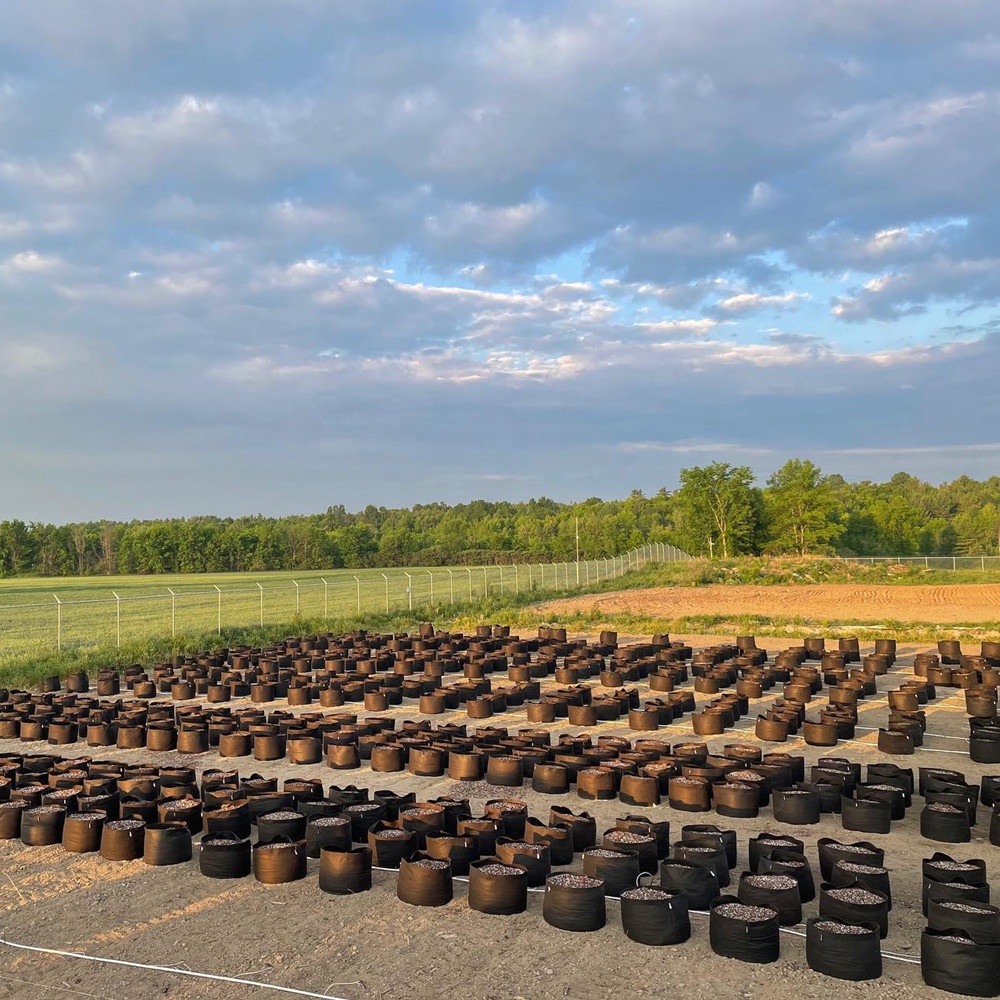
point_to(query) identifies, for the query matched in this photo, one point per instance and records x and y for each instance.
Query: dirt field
(373, 947)
(963, 603)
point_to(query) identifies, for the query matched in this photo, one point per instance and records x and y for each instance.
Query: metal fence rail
(951, 563)
(66, 622)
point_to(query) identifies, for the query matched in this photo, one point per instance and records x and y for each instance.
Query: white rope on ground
(171, 970)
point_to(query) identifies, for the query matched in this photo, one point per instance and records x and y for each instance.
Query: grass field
(42, 615)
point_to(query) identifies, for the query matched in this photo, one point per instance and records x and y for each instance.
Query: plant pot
(655, 916)
(574, 903)
(699, 885)
(778, 892)
(952, 961)
(842, 950)
(345, 871)
(855, 904)
(424, 881)
(748, 934)
(497, 888)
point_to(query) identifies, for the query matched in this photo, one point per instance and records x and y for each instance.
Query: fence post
(954, 564)
(982, 559)
(517, 580)
(451, 584)
(173, 613)
(58, 623)
(587, 574)
(358, 582)
(430, 573)
(219, 592)
(468, 569)
(409, 588)
(261, 589)
(486, 582)
(118, 618)
(384, 577)
(295, 584)
(326, 598)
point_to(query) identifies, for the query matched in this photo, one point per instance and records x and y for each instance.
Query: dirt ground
(962, 603)
(373, 947)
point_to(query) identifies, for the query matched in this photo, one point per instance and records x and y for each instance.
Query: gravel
(953, 866)
(626, 837)
(698, 782)
(14, 804)
(836, 927)
(275, 847)
(955, 938)
(853, 848)
(420, 813)
(567, 881)
(750, 914)
(364, 807)
(281, 815)
(331, 821)
(601, 852)
(431, 863)
(780, 882)
(849, 866)
(124, 824)
(943, 807)
(86, 817)
(509, 805)
(965, 907)
(741, 774)
(393, 834)
(499, 869)
(645, 892)
(860, 897)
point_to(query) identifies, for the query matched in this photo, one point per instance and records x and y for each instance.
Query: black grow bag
(224, 855)
(843, 950)
(345, 871)
(776, 892)
(795, 806)
(746, 933)
(424, 881)
(873, 877)
(854, 904)
(617, 869)
(981, 921)
(944, 823)
(831, 851)
(765, 843)
(865, 815)
(699, 885)
(794, 863)
(952, 961)
(655, 916)
(574, 903)
(497, 888)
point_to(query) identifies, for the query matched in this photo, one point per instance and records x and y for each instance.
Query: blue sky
(270, 257)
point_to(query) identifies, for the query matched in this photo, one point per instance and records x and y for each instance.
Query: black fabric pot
(655, 916)
(277, 862)
(618, 869)
(122, 839)
(699, 885)
(873, 877)
(424, 881)
(497, 888)
(959, 966)
(459, 851)
(166, 844)
(345, 871)
(574, 903)
(705, 856)
(582, 825)
(328, 831)
(362, 816)
(736, 799)
(945, 823)
(228, 818)
(550, 779)
(989, 790)
(505, 771)
(865, 815)
(777, 892)
(224, 855)
(596, 783)
(732, 936)
(797, 807)
(389, 846)
(284, 824)
(765, 843)
(955, 891)
(709, 835)
(535, 859)
(82, 832)
(981, 921)
(559, 839)
(854, 907)
(839, 950)
(637, 790)
(794, 863)
(831, 851)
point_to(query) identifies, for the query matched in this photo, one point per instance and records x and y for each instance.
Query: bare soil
(961, 603)
(374, 947)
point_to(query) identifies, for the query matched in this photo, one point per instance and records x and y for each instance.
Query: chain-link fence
(95, 615)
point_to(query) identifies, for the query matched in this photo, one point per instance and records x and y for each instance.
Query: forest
(718, 510)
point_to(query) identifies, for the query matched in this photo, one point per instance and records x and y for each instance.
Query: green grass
(32, 622)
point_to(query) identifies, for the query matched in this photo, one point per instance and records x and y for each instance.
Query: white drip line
(172, 970)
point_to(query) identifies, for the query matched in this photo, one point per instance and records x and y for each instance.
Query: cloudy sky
(262, 256)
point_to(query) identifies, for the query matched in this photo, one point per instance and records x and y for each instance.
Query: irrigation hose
(169, 969)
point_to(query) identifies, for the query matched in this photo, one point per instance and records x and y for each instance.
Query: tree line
(719, 510)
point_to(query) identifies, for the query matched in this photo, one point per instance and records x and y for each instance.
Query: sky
(274, 256)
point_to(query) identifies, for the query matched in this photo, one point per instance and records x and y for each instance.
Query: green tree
(718, 509)
(802, 509)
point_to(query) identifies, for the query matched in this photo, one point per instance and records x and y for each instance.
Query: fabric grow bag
(345, 871)
(746, 933)
(574, 902)
(843, 950)
(655, 916)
